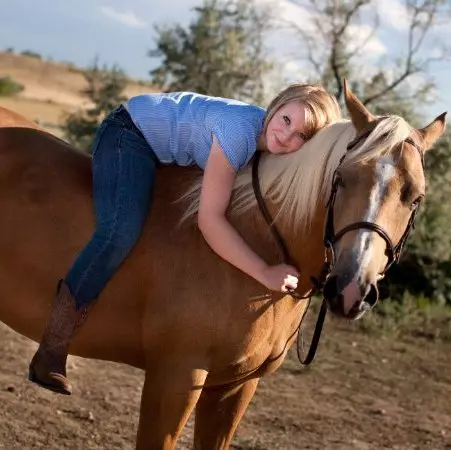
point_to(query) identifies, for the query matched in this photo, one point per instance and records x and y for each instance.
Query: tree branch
(418, 30)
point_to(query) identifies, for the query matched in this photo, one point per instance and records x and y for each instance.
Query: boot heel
(50, 387)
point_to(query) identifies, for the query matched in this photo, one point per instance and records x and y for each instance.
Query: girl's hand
(280, 278)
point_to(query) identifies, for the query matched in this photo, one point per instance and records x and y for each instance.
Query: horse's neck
(255, 231)
(305, 247)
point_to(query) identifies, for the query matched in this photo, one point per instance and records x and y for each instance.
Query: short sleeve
(237, 137)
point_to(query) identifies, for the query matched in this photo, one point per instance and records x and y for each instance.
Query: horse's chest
(260, 352)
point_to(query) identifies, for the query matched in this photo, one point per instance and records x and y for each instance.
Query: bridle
(393, 252)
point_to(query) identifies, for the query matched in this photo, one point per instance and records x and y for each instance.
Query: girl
(220, 136)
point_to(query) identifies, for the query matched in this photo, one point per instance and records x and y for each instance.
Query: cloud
(393, 14)
(295, 70)
(127, 18)
(370, 48)
(295, 14)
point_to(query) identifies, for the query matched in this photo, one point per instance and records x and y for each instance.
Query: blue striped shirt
(179, 126)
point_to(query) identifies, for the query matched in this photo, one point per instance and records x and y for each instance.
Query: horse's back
(10, 118)
(47, 217)
(42, 169)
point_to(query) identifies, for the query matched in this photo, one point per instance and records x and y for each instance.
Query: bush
(105, 91)
(410, 315)
(9, 87)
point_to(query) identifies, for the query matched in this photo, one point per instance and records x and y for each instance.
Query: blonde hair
(321, 107)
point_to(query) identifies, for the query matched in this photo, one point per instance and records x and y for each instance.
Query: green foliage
(408, 315)
(9, 87)
(105, 87)
(221, 52)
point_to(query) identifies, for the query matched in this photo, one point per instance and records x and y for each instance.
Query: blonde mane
(298, 182)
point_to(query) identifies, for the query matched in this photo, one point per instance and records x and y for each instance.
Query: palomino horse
(203, 331)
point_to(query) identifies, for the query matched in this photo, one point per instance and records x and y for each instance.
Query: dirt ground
(364, 391)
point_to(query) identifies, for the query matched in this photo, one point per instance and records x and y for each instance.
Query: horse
(204, 332)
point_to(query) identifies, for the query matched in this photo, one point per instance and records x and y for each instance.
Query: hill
(51, 89)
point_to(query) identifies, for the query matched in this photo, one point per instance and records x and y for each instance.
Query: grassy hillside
(51, 89)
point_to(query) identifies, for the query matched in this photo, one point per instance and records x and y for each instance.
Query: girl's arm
(217, 185)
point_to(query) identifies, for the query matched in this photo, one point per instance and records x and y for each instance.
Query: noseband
(393, 252)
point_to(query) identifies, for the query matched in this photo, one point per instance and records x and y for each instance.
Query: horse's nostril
(330, 289)
(371, 295)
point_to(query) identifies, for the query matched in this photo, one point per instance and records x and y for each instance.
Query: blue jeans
(123, 166)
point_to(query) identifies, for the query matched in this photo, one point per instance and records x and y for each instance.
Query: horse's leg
(218, 413)
(168, 398)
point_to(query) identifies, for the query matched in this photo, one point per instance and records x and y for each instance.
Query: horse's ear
(360, 116)
(430, 133)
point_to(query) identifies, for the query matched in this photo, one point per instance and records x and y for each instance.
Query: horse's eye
(415, 204)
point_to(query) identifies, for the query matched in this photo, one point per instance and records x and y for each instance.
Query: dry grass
(51, 89)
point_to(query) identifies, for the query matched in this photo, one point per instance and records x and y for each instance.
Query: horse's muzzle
(348, 297)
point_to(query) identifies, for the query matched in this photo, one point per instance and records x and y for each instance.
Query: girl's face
(285, 132)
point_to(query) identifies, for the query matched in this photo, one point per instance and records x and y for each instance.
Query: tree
(104, 90)
(332, 50)
(221, 53)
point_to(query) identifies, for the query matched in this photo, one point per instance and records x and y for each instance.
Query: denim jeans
(123, 165)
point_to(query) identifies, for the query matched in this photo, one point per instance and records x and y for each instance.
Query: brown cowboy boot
(48, 366)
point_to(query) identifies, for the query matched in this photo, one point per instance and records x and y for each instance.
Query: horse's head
(377, 189)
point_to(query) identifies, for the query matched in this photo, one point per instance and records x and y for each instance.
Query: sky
(122, 32)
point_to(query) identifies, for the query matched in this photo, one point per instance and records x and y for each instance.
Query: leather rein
(393, 252)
